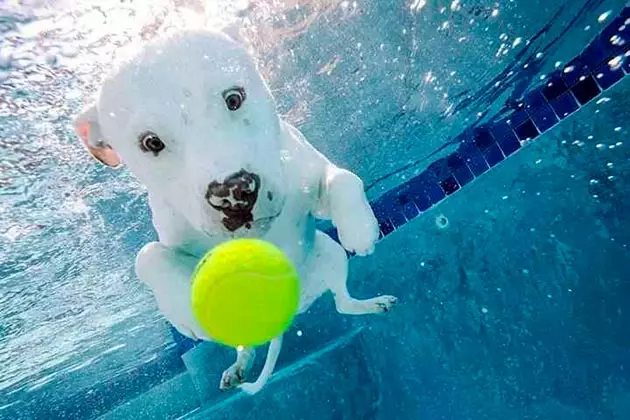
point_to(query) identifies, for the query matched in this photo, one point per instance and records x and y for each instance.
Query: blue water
(514, 291)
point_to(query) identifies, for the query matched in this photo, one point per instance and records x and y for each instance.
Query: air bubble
(602, 18)
(617, 40)
(615, 63)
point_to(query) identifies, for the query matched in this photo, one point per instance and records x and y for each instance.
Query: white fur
(173, 88)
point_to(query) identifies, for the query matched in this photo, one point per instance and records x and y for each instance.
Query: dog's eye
(234, 98)
(150, 142)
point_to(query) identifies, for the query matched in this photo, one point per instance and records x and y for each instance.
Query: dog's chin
(256, 228)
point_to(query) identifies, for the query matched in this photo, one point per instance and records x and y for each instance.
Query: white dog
(193, 120)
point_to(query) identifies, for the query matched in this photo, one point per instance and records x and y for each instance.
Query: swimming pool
(513, 291)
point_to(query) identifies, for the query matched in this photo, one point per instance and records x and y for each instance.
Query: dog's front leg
(168, 273)
(350, 210)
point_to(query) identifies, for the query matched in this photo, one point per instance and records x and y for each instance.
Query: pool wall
(352, 372)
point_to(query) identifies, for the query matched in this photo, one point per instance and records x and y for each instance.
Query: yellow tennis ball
(245, 292)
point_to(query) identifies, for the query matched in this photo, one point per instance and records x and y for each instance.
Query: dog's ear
(88, 129)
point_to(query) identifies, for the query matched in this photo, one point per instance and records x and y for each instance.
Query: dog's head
(193, 120)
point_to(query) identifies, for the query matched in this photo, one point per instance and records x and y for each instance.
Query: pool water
(514, 292)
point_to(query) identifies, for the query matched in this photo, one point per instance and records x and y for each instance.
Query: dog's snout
(235, 197)
(238, 192)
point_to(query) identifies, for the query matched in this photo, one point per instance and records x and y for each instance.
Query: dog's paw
(233, 377)
(381, 304)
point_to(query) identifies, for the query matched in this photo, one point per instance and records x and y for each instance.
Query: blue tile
(616, 30)
(517, 118)
(417, 194)
(404, 202)
(383, 207)
(385, 227)
(526, 131)
(454, 161)
(449, 185)
(544, 118)
(463, 175)
(483, 138)
(397, 218)
(574, 71)
(459, 169)
(506, 138)
(626, 65)
(534, 98)
(585, 90)
(440, 169)
(387, 210)
(539, 110)
(625, 13)
(493, 155)
(607, 76)
(594, 54)
(431, 187)
(565, 105)
(435, 193)
(409, 210)
(474, 159)
(555, 86)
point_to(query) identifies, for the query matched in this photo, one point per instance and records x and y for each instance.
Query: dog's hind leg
(270, 364)
(332, 266)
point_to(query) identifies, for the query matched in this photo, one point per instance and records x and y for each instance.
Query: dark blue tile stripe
(480, 149)
(603, 63)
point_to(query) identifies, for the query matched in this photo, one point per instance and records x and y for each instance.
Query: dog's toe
(231, 378)
(385, 303)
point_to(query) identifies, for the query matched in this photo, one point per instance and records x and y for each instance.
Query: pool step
(333, 383)
(169, 400)
(310, 332)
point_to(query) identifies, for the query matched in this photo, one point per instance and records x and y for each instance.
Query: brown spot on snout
(235, 198)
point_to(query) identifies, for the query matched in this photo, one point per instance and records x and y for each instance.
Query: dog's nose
(238, 192)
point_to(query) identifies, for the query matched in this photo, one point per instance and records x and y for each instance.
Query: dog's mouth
(244, 220)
